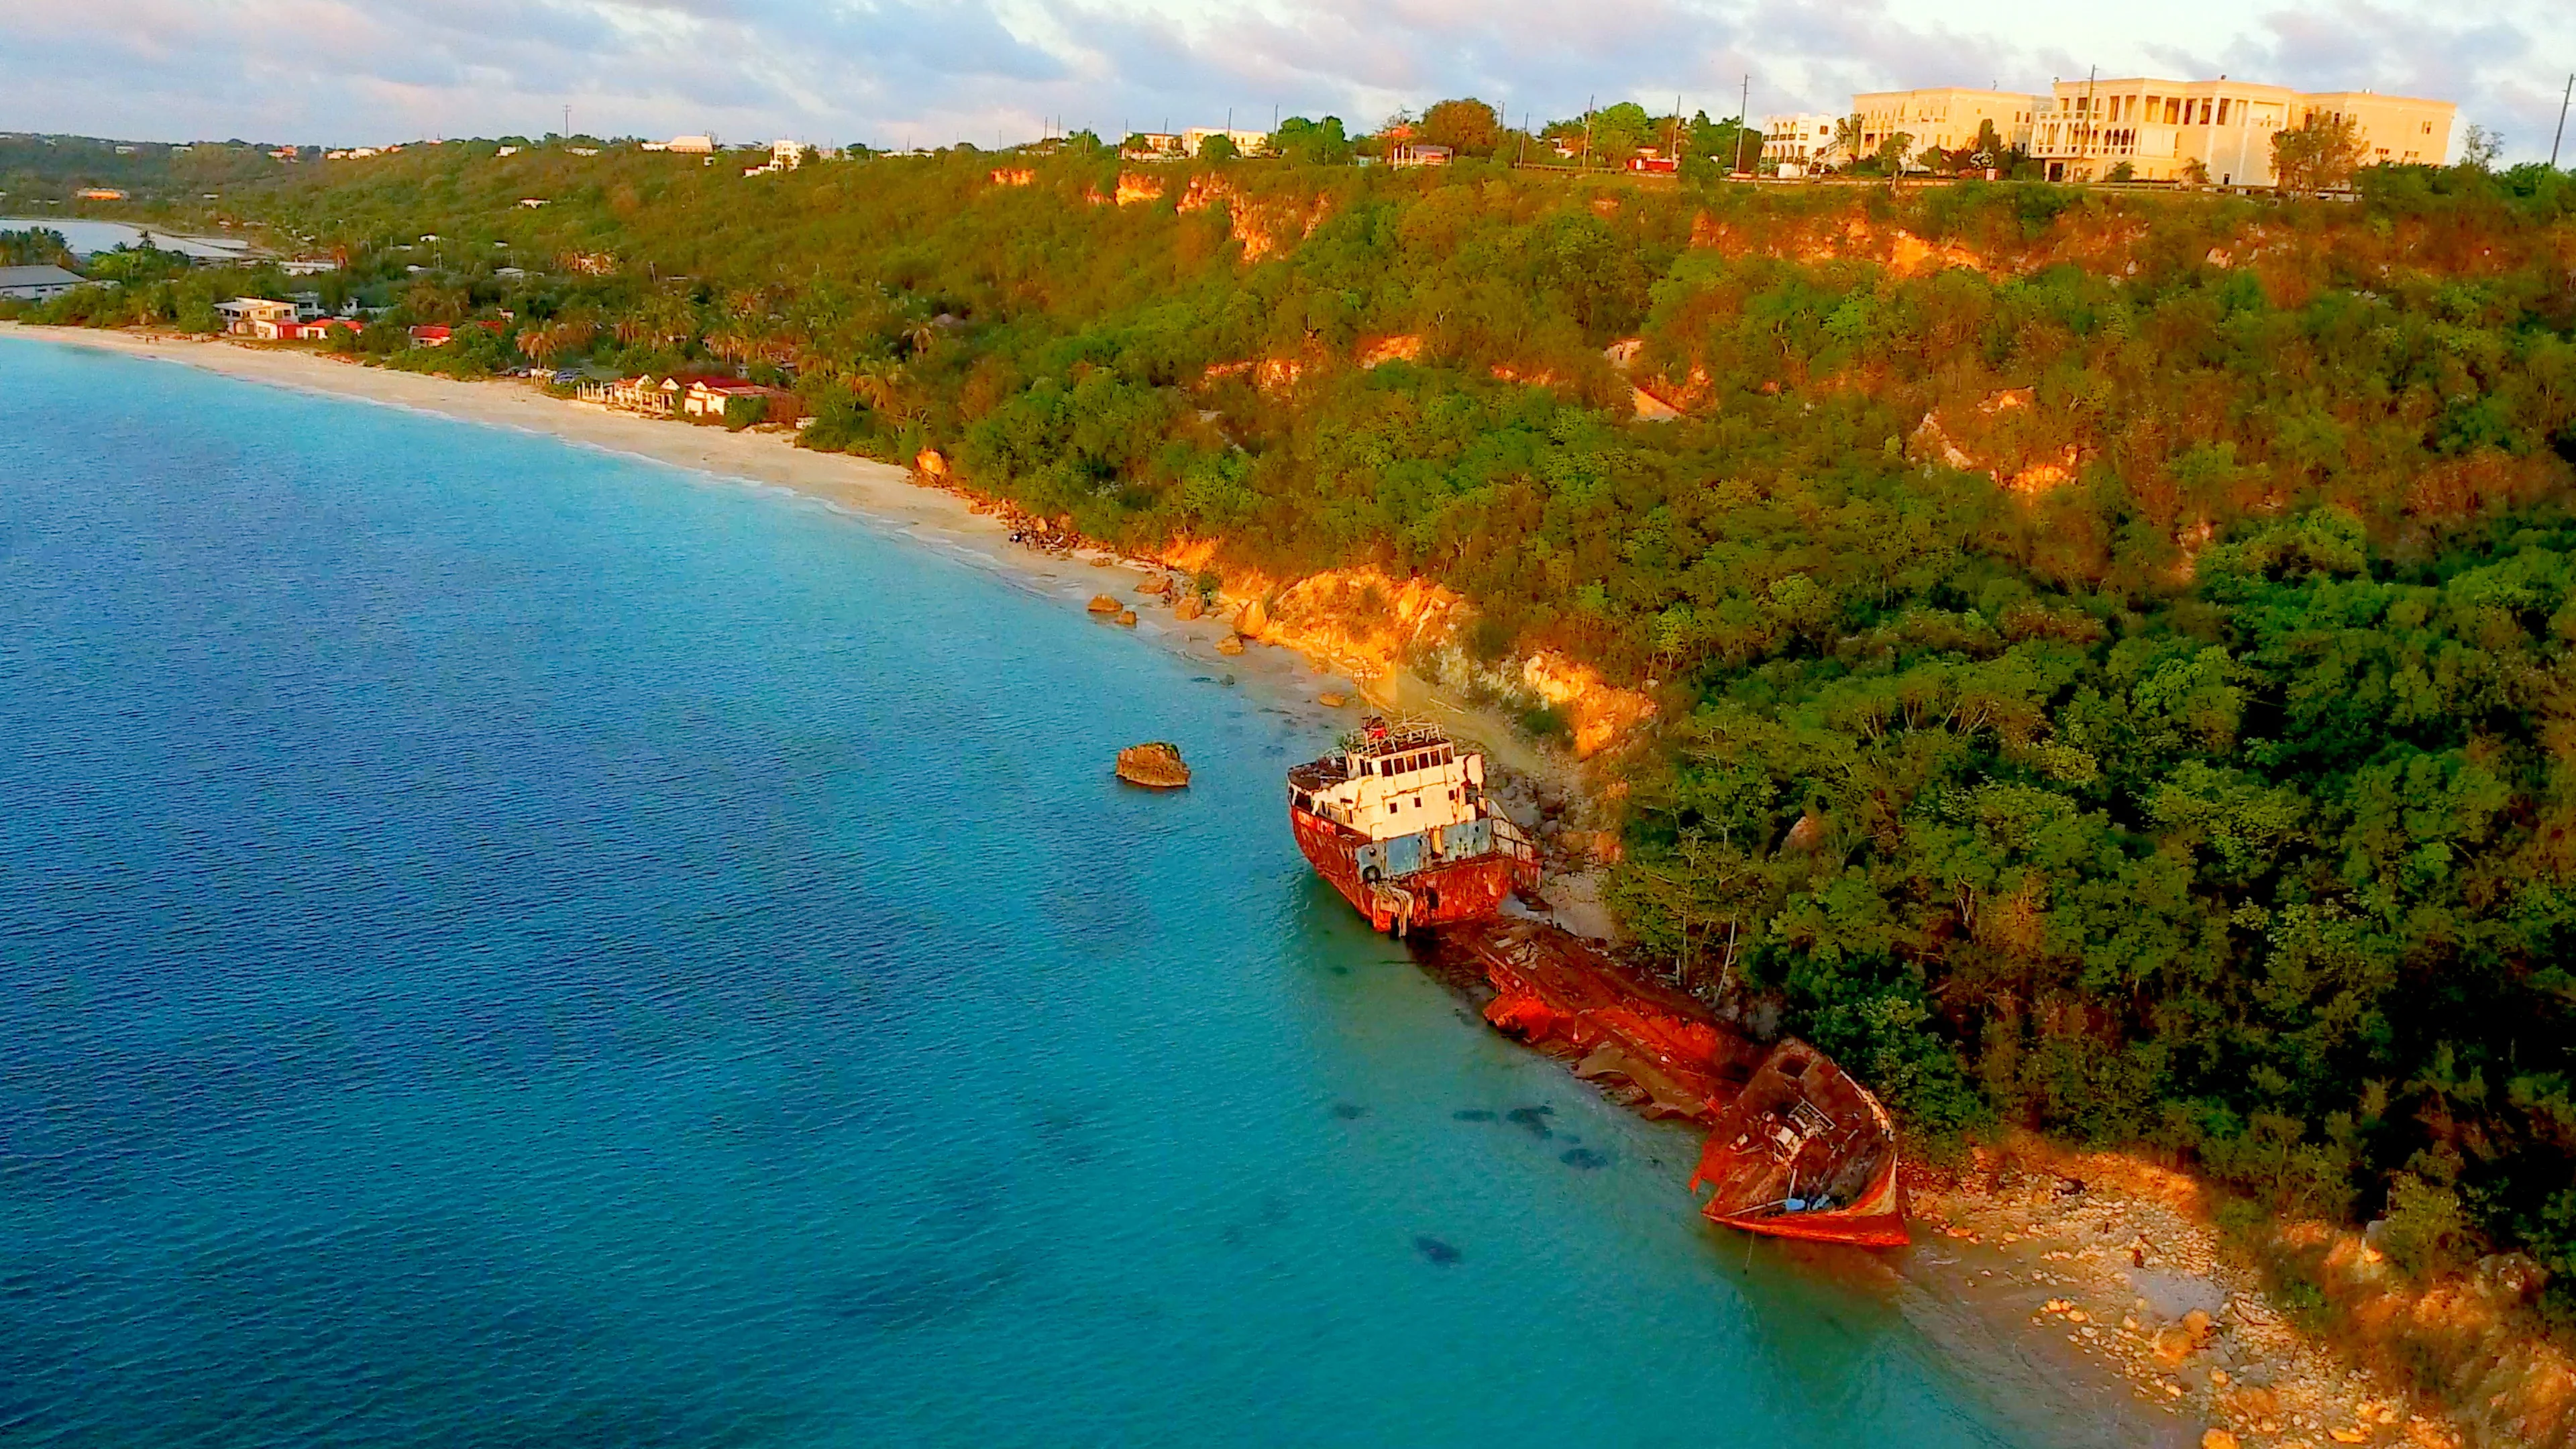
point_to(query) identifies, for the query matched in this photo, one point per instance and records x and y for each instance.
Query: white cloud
(887, 71)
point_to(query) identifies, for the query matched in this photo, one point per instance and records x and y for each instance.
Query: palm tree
(881, 384)
(1847, 138)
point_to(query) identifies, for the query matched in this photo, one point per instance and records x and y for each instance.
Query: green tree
(1469, 127)
(34, 246)
(1312, 143)
(2319, 154)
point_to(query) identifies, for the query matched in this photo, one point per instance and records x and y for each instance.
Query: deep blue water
(504, 944)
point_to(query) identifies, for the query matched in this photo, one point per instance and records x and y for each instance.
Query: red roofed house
(439, 334)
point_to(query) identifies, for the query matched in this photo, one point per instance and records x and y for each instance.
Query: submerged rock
(1436, 1250)
(1153, 764)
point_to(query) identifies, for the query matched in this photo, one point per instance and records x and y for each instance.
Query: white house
(243, 315)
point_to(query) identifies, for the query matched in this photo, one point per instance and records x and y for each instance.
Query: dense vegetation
(2115, 648)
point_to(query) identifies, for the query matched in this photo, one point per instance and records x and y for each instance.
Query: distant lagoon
(98, 236)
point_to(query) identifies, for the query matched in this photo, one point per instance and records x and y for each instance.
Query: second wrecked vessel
(1795, 1147)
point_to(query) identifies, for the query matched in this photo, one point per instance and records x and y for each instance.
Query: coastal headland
(2054, 1269)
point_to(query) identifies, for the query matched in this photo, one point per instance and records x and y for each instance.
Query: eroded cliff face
(1367, 625)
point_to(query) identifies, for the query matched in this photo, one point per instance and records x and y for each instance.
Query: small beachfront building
(707, 397)
(37, 284)
(243, 315)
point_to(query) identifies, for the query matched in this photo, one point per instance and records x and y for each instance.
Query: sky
(907, 72)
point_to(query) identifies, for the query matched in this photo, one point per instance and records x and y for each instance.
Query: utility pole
(2092, 114)
(2561, 133)
(1743, 118)
(1587, 131)
(567, 123)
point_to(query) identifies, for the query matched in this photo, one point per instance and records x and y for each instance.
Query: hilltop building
(1944, 118)
(2162, 129)
(1799, 144)
(1246, 143)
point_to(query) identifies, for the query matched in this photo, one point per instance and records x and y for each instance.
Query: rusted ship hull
(1804, 1152)
(1435, 891)
(1552, 991)
(1795, 1149)
(1878, 1221)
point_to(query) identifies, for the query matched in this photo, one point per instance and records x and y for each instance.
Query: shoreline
(1976, 1275)
(891, 498)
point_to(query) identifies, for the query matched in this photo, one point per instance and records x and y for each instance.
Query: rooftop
(46, 275)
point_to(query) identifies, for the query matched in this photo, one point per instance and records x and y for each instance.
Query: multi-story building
(2163, 129)
(1799, 144)
(1944, 118)
(1246, 143)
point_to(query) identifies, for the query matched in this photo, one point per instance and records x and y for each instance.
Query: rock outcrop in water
(1153, 764)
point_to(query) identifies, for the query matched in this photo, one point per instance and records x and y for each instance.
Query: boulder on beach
(1127, 618)
(1253, 620)
(1104, 604)
(929, 464)
(1153, 764)
(1156, 585)
(1331, 701)
(1188, 608)
(1230, 644)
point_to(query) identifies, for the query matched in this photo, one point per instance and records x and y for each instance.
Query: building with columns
(2161, 128)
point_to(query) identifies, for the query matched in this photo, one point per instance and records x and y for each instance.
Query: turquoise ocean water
(506, 944)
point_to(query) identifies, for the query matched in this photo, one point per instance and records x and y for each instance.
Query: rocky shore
(2119, 1260)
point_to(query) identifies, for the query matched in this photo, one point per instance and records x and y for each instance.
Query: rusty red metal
(1440, 895)
(1796, 1148)
(1804, 1152)
(1399, 822)
(1550, 989)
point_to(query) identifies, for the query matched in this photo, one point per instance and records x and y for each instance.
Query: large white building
(1246, 143)
(2163, 129)
(1943, 118)
(1801, 143)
